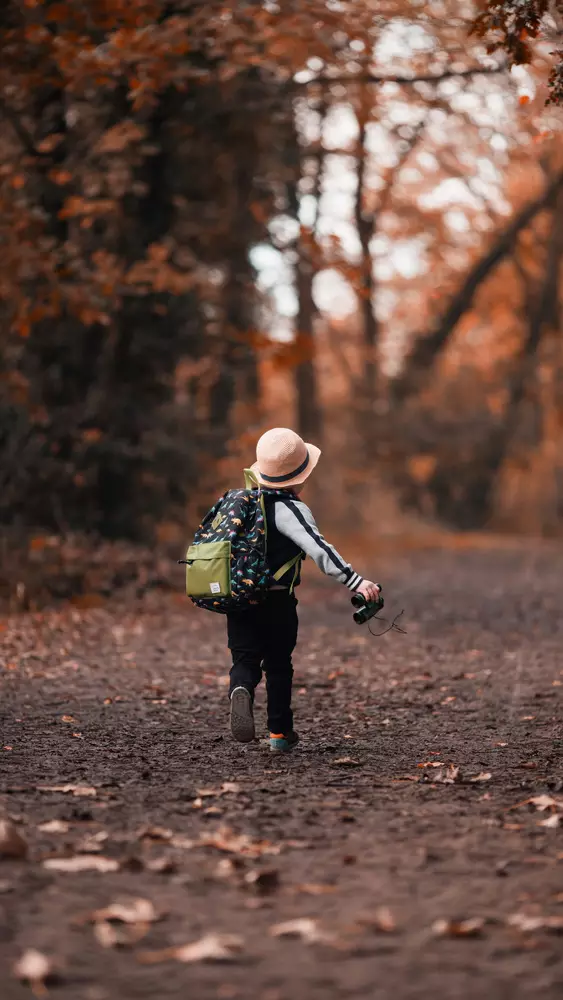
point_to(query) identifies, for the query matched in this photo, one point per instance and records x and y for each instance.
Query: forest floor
(411, 845)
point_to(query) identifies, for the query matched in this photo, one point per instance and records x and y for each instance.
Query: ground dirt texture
(126, 703)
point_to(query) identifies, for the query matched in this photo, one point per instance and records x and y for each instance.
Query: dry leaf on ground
(158, 833)
(12, 843)
(380, 920)
(123, 924)
(227, 788)
(528, 923)
(225, 839)
(482, 776)
(82, 863)
(552, 822)
(540, 802)
(36, 969)
(302, 927)
(54, 826)
(470, 927)
(211, 947)
(132, 911)
(444, 775)
(346, 762)
(80, 791)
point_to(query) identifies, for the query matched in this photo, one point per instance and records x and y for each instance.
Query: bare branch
(448, 74)
(427, 348)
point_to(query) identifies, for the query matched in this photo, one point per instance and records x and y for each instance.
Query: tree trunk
(365, 226)
(308, 413)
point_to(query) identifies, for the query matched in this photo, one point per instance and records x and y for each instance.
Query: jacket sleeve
(295, 520)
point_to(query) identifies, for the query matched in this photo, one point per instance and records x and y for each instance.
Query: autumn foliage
(179, 181)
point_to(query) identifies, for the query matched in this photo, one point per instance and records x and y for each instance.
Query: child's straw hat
(284, 459)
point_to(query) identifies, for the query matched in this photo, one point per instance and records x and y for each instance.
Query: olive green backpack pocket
(208, 569)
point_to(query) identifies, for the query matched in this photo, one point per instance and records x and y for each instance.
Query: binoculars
(366, 609)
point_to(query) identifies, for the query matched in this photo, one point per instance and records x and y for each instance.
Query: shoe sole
(242, 719)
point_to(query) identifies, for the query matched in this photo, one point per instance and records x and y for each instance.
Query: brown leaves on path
(82, 863)
(212, 947)
(36, 969)
(12, 844)
(78, 791)
(470, 927)
(122, 924)
(305, 928)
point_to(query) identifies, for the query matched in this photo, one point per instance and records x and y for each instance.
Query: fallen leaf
(92, 844)
(528, 923)
(162, 866)
(36, 969)
(500, 744)
(54, 826)
(123, 924)
(82, 863)
(539, 802)
(210, 948)
(470, 927)
(381, 920)
(225, 839)
(12, 843)
(68, 718)
(482, 776)
(346, 762)
(302, 927)
(133, 911)
(79, 791)
(445, 775)
(432, 763)
(552, 822)
(158, 833)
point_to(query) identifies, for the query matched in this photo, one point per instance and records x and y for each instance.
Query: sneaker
(242, 716)
(283, 743)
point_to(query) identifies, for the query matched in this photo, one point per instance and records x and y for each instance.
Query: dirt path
(130, 703)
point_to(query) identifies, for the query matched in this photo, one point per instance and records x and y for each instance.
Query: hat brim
(314, 455)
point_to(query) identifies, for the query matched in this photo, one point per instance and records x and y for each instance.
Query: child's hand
(368, 590)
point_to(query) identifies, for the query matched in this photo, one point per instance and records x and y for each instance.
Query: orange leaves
(120, 136)
(421, 467)
(60, 177)
(50, 143)
(92, 435)
(76, 206)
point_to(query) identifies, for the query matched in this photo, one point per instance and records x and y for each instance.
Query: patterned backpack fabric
(226, 565)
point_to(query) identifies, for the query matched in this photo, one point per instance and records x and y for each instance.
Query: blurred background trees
(346, 216)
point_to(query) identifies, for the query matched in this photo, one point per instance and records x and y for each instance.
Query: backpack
(226, 566)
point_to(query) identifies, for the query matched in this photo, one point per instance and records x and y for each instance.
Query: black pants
(262, 638)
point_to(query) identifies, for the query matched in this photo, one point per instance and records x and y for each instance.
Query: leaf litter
(212, 947)
(305, 928)
(12, 843)
(467, 928)
(79, 791)
(54, 826)
(122, 924)
(82, 863)
(36, 969)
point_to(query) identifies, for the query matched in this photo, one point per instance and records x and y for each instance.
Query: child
(263, 636)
